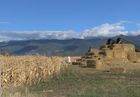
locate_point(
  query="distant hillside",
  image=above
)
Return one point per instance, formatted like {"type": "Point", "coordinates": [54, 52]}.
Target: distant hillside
{"type": "Point", "coordinates": [69, 47]}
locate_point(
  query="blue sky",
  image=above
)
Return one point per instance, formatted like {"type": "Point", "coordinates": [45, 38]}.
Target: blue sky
{"type": "Point", "coordinates": [63, 15]}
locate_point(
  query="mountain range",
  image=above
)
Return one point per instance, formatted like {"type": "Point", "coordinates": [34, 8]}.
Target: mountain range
{"type": "Point", "coordinates": [55, 47]}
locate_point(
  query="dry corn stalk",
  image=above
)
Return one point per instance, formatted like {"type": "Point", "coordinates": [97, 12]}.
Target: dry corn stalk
{"type": "Point", "coordinates": [28, 70]}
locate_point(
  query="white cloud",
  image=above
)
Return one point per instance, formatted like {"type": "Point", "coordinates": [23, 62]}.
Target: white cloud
{"type": "Point", "coordinates": [104, 30]}
{"type": "Point", "coordinates": [38, 35]}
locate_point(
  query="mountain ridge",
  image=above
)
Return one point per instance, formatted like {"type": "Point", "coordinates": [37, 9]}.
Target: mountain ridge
{"type": "Point", "coordinates": [55, 47]}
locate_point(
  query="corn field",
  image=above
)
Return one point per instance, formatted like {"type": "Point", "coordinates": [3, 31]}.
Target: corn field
{"type": "Point", "coordinates": [27, 70]}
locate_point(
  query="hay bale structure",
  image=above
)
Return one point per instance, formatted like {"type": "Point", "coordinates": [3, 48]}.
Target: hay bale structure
{"type": "Point", "coordinates": [113, 52]}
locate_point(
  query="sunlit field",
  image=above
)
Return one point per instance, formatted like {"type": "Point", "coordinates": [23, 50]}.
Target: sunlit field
{"type": "Point", "coordinates": [41, 76]}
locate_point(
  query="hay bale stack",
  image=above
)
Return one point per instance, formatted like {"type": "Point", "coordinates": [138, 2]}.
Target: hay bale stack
{"type": "Point", "coordinates": [116, 52]}
{"type": "Point", "coordinates": [121, 51]}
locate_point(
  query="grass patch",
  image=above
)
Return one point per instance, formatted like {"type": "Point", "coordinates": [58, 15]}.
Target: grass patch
{"type": "Point", "coordinates": [83, 82]}
{"type": "Point", "coordinates": [75, 82]}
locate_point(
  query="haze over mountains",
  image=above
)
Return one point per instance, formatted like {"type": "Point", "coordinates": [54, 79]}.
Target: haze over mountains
{"type": "Point", "coordinates": [54, 47]}
{"type": "Point", "coordinates": [104, 30]}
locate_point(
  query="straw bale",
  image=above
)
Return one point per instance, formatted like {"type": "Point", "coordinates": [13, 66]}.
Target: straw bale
{"type": "Point", "coordinates": [129, 47]}
{"type": "Point", "coordinates": [132, 56]}
{"type": "Point", "coordinates": [120, 54]}
{"type": "Point", "coordinates": [117, 70]}
{"type": "Point", "coordinates": [109, 54]}
{"type": "Point", "coordinates": [100, 65]}
{"type": "Point", "coordinates": [117, 46]}
{"type": "Point", "coordinates": [130, 50]}
{"type": "Point", "coordinates": [91, 63]}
